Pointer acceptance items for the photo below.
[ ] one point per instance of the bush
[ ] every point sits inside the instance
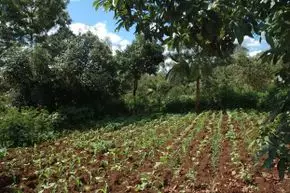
(229, 99)
(179, 105)
(25, 127)
(3, 104)
(69, 116)
(140, 105)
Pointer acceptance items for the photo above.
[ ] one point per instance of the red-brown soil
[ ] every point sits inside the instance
(155, 168)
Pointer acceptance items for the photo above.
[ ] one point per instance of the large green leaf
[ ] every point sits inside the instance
(239, 33)
(269, 40)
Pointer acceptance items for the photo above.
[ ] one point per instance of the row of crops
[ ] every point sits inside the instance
(210, 152)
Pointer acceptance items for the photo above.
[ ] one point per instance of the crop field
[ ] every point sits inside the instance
(209, 152)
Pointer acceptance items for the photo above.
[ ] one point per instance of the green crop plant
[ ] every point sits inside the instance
(3, 153)
(191, 175)
(201, 121)
(102, 146)
(216, 142)
(231, 135)
(246, 175)
(199, 124)
(145, 182)
(104, 189)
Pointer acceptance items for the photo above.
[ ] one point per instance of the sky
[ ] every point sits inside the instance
(85, 18)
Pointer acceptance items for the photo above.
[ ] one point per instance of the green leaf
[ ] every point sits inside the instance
(268, 163)
(275, 59)
(238, 33)
(270, 40)
(282, 168)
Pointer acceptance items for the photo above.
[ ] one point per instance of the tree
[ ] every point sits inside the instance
(139, 58)
(208, 24)
(17, 74)
(191, 66)
(84, 74)
(58, 43)
(88, 72)
(28, 21)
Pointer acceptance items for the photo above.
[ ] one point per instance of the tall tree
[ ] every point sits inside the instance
(58, 43)
(28, 21)
(88, 72)
(139, 58)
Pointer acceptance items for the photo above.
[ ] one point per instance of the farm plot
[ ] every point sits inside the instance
(208, 152)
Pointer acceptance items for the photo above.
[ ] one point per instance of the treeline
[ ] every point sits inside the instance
(69, 80)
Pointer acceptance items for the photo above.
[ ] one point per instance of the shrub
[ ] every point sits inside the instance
(25, 127)
(179, 105)
(227, 98)
(69, 116)
(140, 105)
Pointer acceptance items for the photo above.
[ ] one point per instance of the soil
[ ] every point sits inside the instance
(148, 174)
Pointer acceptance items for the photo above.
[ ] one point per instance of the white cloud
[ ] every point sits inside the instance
(100, 29)
(254, 45)
(250, 42)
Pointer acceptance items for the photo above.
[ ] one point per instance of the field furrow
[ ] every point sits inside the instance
(209, 152)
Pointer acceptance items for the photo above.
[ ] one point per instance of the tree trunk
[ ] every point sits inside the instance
(197, 96)
(135, 86)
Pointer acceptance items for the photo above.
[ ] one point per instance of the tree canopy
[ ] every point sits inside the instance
(29, 21)
(141, 57)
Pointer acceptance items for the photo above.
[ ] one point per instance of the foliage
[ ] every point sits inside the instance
(276, 142)
(150, 95)
(17, 73)
(191, 66)
(72, 116)
(181, 104)
(26, 127)
(243, 74)
(3, 152)
(28, 21)
(88, 73)
(84, 74)
(141, 57)
(179, 22)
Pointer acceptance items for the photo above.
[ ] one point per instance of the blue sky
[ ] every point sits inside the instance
(82, 11)
(86, 18)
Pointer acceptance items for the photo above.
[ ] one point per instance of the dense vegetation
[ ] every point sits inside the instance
(192, 124)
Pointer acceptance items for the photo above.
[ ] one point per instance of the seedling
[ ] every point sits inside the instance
(3, 153)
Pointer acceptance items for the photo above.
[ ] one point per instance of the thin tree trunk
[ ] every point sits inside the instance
(197, 97)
